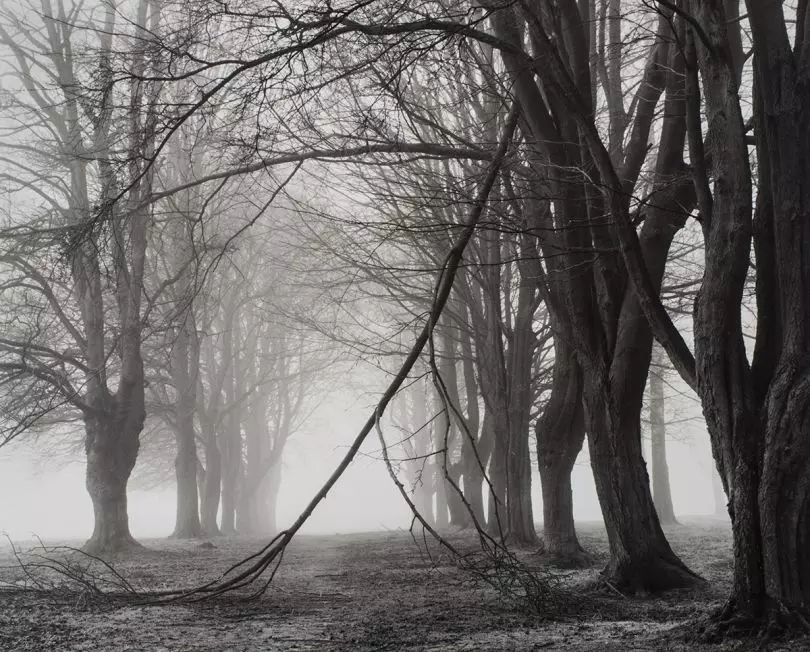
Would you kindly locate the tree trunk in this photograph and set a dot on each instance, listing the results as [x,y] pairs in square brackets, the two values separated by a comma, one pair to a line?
[187,520]
[456,429]
[421,463]
[640,555]
[211,486]
[257,515]
[497,524]
[662,494]
[520,517]
[111,453]
[229,483]
[185,366]
[560,434]
[472,456]
[439,481]
[268,520]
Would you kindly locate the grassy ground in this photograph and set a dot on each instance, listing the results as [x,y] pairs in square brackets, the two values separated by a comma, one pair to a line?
[366,592]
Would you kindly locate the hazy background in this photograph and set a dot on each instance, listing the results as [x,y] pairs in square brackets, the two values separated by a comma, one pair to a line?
[47,497]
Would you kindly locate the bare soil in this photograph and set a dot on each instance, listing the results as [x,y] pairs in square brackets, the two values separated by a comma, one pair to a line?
[376,591]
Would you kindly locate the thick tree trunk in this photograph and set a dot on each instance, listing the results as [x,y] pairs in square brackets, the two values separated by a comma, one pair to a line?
[662,493]
[520,516]
[112,448]
[560,434]
[421,464]
[268,521]
[185,366]
[640,555]
[257,515]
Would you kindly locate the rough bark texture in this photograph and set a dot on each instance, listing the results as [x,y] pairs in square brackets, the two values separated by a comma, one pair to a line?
[520,355]
[560,434]
[756,414]
[111,453]
[596,302]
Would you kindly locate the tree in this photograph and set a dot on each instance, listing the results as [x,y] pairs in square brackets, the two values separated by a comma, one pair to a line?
[754,410]
[81,150]
[662,494]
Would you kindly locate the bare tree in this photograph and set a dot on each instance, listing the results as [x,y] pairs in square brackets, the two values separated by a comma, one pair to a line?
[81,148]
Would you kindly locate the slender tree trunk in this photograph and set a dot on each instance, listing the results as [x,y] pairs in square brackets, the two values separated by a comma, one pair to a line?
[187,522]
[520,517]
[640,555]
[211,486]
[472,456]
[230,473]
[497,524]
[421,467]
[560,434]
[268,520]
[662,493]
[439,481]
[459,514]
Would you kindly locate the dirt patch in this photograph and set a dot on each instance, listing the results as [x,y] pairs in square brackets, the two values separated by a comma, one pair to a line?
[363,592]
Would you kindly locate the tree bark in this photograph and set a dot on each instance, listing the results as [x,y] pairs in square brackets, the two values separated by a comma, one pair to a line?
[187,519]
[450,423]
[560,433]
[112,448]
[520,517]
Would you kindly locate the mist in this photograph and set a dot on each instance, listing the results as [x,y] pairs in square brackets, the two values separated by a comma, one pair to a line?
[398,324]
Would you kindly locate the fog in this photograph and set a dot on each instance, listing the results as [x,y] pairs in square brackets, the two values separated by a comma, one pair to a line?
[48,499]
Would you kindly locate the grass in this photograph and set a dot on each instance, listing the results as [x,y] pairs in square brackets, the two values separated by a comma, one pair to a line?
[373,591]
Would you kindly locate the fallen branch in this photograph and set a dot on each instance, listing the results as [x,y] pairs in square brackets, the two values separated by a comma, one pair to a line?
[255,566]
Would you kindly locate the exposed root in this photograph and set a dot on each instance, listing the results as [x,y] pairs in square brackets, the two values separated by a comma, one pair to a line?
[650,576]
[568,560]
[108,547]
[776,621]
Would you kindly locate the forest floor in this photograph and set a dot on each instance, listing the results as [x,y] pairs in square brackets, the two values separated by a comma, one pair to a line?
[373,591]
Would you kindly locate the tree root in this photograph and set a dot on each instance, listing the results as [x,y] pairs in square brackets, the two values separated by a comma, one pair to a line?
[120,545]
[654,575]
[776,621]
[569,560]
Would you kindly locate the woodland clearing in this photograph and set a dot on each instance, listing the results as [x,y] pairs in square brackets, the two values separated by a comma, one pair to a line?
[367,592]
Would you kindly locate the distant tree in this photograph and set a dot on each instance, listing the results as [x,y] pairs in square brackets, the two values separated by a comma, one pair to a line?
[662,492]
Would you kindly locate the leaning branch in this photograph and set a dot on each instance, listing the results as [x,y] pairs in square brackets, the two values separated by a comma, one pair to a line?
[271,554]
[424,149]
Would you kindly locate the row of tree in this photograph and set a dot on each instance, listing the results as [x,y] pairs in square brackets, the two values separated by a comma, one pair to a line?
[631,121]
